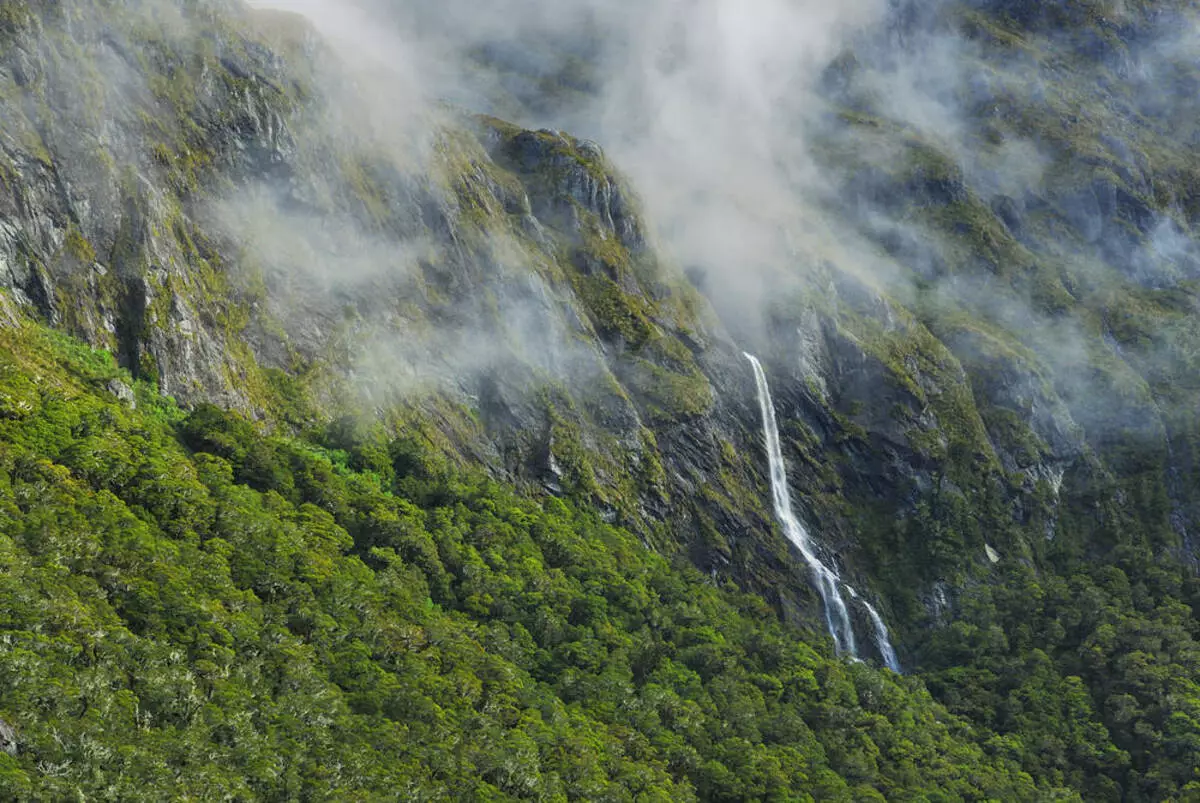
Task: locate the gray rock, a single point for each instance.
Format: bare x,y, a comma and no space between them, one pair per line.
123,392
8,738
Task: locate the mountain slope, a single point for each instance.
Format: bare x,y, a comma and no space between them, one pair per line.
195,610
970,273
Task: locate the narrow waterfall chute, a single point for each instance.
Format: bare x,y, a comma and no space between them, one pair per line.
883,641
829,584
837,615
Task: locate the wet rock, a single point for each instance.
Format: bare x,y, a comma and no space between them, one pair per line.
1004,382
937,186
8,739
123,392
567,174
1010,214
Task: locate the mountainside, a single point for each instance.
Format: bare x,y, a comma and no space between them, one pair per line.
463,476
195,611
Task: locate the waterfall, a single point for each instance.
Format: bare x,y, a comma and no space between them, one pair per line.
837,615
883,641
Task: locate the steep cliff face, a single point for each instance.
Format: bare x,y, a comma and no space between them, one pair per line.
1050,237
115,116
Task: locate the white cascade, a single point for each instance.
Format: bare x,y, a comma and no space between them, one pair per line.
883,640
837,616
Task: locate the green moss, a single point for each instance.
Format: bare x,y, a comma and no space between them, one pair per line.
602,246
14,16
978,236
734,489
992,30
84,298
669,395
366,189
848,429
78,246
464,167
1010,430
614,312
8,173
652,476
35,146
920,364
573,458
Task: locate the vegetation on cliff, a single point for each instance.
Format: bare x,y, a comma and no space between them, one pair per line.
194,609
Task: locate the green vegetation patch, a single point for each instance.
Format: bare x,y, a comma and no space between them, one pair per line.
194,608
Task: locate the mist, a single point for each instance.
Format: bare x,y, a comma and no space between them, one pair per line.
703,107
730,126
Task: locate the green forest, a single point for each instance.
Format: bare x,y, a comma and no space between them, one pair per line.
197,610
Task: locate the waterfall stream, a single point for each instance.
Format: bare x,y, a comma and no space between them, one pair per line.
828,583
883,641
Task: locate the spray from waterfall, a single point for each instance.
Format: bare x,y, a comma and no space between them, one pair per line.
837,615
